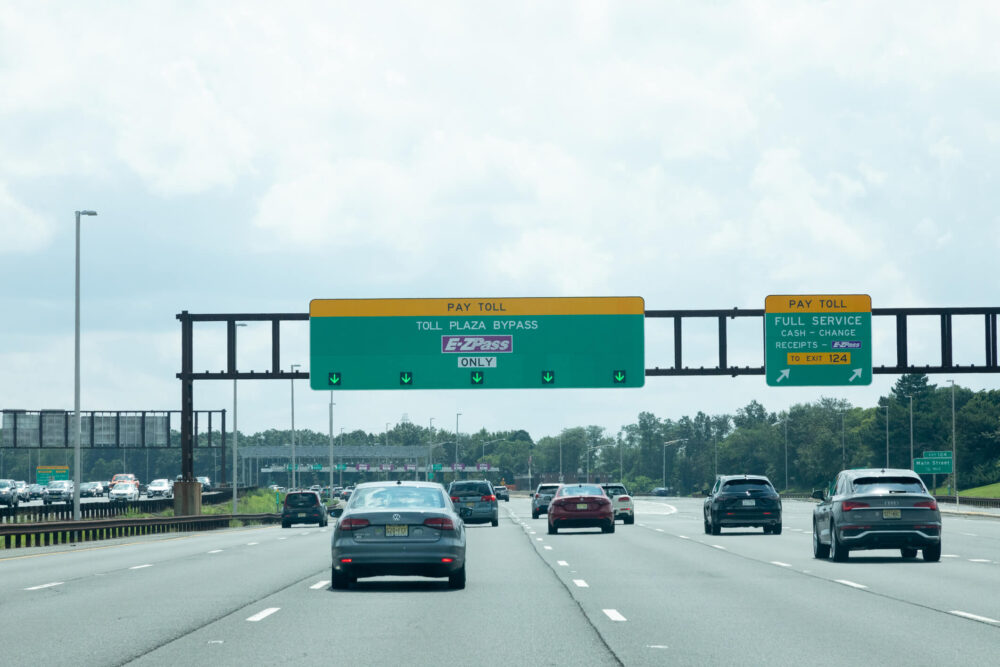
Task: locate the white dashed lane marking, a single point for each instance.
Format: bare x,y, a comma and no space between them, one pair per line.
779,563
50,585
263,614
548,548
980,560
320,584
581,583
850,583
613,615
719,546
562,563
215,551
975,617
139,567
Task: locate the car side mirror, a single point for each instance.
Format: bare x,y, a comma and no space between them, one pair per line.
819,495
705,492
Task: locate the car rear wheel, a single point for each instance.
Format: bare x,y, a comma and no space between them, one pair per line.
610,527
767,530
534,514
495,522
838,551
776,529
908,552
552,528
716,528
629,520
820,550
932,554
285,524
456,580
708,528
339,580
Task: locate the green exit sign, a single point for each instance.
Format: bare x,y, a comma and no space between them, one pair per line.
495,343
938,466
818,340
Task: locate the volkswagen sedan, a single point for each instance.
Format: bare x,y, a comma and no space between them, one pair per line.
876,509
398,528
581,506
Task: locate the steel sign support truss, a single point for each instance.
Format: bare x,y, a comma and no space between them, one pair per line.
187,376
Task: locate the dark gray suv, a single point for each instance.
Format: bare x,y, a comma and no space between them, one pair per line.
541,498
475,501
8,493
876,509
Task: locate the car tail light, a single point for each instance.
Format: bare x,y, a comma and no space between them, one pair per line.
447,560
488,499
454,499
346,560
440,522
849,505
353,524
626,499
538,495
927,504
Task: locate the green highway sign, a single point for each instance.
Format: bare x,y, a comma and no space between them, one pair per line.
317,466
818,340
517,343
46,474
437,466
937,455
939,466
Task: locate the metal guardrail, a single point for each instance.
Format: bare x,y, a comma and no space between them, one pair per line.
969,501
64,511
15,535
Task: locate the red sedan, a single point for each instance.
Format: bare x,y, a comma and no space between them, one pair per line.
581,506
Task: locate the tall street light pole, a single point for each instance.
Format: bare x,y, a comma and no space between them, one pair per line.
331,441
236,443
76,380
455,466
560,460
843,442
669,442
430,450
954,445
887,433
784,422
911,431
292,380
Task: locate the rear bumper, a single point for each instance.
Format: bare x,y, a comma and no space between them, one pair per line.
739,518
875,538
426,561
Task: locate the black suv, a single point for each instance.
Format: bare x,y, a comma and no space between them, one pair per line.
303,507
738,501
8,493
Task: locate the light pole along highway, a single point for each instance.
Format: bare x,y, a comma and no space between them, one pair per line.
669,442
76,380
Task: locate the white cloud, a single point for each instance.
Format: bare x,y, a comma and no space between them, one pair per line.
21,229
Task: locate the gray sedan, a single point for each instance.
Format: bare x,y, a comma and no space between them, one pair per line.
398,528
876,509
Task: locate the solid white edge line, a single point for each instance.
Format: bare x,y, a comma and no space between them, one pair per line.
581,583
139,567
974,617
850,583
49,585
320,584
613,615
263,614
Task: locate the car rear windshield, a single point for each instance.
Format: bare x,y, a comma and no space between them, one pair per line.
470,489
301,500
548,488
581,490
616,490
410,497
888,485
744,485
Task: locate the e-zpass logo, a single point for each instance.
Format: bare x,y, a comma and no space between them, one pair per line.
477,343
846,344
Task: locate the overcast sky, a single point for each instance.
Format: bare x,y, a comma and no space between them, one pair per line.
249,157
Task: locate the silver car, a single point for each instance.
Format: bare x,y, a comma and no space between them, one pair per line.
475,501
876,509
541,498
398,528
58,491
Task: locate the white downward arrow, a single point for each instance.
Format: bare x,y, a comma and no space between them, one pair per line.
783,374
857,374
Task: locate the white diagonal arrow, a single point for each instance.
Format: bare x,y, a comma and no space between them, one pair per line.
857,374
783,374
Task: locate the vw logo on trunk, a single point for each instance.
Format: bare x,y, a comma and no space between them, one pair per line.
395,517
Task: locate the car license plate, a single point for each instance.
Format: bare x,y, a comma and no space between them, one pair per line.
470,504
892,514
396,531
581,506
749,503
302,513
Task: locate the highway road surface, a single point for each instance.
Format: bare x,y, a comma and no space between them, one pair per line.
657,592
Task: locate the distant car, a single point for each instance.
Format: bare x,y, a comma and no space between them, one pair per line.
22,490
541,498
58,491
346,493
206,484
661,491
88,490
876,509
622,501
124,477
35,491
502,493
123,492
8,493
303,507
737,501
101,488
475,501
401,529
581,506
159,488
